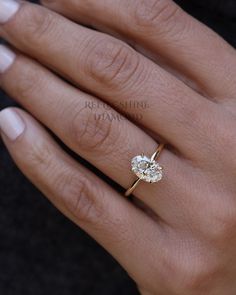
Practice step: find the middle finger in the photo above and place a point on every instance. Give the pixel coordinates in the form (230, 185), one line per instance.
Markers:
(113, 71)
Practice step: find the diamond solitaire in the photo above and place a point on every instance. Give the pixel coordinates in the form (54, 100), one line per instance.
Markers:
(146, 169)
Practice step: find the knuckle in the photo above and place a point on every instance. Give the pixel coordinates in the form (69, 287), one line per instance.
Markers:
(27, 82)
(40, 157)
(35, 22)
(192, 275)
(196, 279)
(223, 225)
(192, 115)
(93, 133)
(80, 197)
(151, 12)
(111, 62)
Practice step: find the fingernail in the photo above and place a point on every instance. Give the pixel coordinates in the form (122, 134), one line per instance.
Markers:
(7, 58)
(11, 124)
(7, 9)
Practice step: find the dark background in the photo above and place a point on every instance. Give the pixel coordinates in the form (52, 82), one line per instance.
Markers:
(41, 252)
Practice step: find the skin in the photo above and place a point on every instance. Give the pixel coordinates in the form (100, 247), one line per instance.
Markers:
(182, 240)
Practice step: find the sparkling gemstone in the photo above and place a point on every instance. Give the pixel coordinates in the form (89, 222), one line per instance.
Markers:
(146, 169)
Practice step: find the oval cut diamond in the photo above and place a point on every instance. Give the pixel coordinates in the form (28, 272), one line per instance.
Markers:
(146, 169)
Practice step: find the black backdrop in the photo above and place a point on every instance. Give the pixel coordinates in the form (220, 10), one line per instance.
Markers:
(41, 252)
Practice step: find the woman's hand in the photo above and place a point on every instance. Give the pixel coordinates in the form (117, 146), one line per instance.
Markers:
(178, 85)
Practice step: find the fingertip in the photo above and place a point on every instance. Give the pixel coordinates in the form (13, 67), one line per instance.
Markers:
(7, 58)
(8, 9)
(12, 124)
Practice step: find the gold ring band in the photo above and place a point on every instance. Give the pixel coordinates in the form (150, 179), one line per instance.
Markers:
(146, 169)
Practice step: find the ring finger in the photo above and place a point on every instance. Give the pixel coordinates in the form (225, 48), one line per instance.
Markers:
(107, 144)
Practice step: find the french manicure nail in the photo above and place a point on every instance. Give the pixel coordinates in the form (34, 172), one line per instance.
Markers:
(7, 9)
(7, 57)
(11, 124)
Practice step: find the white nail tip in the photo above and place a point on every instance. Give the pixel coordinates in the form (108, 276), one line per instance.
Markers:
(11, 124)
(7, 9)
(7, 58)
